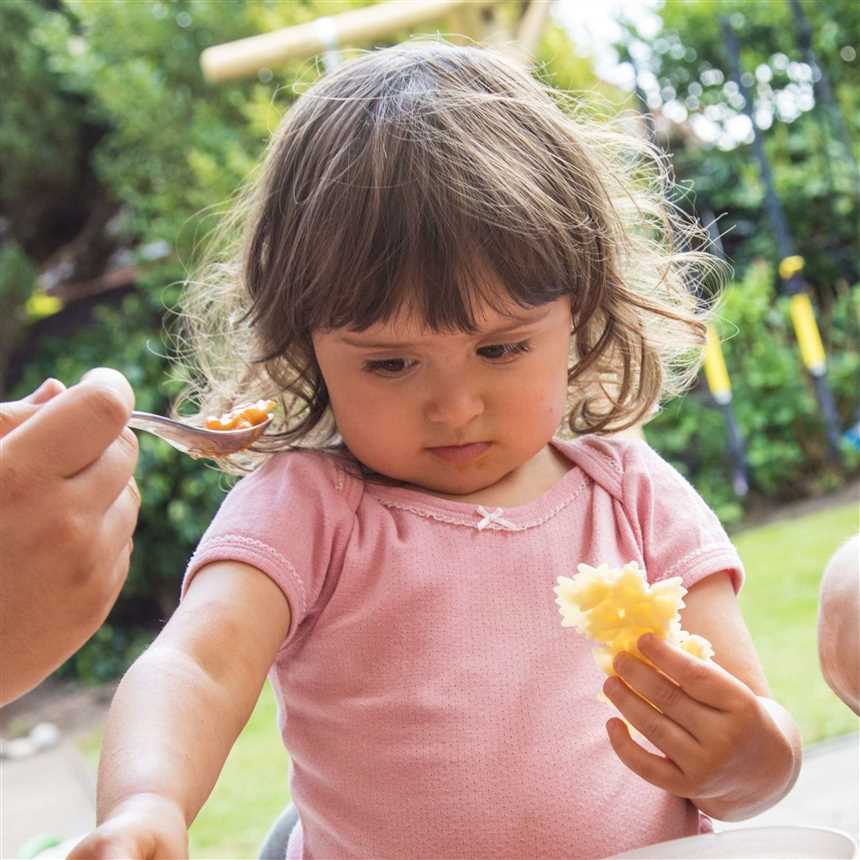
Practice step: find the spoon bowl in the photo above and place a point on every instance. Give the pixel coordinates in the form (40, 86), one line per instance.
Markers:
(197, 442)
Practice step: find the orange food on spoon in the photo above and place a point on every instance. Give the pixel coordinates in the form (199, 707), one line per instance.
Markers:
(242, 417)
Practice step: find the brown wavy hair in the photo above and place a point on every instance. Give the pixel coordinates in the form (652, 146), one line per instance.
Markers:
(418, 178)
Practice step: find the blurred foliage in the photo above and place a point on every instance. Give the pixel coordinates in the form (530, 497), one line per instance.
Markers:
(109, 95)
(686, 74)
(117, 152)
(812, 147)
(773, 402)
(17, 281)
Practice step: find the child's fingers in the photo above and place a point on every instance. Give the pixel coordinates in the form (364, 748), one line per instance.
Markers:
(703, 680)
(104, 846)
(665, 695)
(652, 768)
(670, 738)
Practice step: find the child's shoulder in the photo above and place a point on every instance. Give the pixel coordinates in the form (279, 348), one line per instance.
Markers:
(614, 461)
(307, 471)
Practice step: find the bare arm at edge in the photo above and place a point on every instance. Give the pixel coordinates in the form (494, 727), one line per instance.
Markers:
(180, 708)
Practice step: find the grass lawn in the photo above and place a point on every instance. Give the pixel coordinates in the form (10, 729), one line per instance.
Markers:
(784, 562)
(251, 791)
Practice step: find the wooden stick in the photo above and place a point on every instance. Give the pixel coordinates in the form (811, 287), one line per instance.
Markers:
(521, 46)
(531, 26)
(247, 56)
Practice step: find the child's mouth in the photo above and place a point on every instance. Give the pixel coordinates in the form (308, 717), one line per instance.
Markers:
(460, 453)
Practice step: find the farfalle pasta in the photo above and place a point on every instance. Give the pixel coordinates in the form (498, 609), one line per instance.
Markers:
(615, 606)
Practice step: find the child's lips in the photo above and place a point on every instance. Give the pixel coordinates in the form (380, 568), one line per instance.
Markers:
(460, 453)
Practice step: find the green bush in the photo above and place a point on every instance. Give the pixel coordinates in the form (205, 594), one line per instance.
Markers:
(773, 401)
(114, 144)
(814, 176)
(126, 122)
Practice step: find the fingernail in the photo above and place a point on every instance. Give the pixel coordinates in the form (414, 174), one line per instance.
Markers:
(621, 662)
(96, 371)
(109, 378)
(646, 640)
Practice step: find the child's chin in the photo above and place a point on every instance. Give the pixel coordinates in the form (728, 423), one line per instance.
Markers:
(463, 481)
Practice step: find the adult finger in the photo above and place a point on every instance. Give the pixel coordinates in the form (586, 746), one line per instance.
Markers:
(16, 412)
(119, 572)
(120, 520)
(99, 484)
(75, 427)
(114, 534)
(48, 389)
(704, 680)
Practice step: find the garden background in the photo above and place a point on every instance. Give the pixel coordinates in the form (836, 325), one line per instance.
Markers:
(118, 158)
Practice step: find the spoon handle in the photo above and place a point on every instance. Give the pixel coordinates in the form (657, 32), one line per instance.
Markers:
(150, 422)
(166, 429)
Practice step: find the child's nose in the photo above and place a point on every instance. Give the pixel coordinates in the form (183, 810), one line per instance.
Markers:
(454, 404)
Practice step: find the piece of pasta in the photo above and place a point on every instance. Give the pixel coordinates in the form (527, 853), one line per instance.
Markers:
(615, 606)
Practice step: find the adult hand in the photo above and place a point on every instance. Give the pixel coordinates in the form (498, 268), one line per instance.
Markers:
(722, 747)
(143, 827)
(68, 508)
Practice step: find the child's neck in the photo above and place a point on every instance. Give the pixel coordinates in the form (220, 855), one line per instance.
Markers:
(523, 485)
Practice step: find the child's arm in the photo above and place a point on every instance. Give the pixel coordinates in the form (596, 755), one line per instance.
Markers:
(729, 748)
(179, 710)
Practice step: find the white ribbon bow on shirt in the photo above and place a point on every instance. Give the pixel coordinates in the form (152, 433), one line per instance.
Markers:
(493, 517)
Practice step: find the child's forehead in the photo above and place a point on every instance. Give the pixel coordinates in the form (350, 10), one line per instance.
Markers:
(411, 326)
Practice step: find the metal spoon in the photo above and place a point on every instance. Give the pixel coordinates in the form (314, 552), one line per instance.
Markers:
(197, 441)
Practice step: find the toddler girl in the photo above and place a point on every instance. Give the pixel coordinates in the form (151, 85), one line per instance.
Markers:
(441, 269)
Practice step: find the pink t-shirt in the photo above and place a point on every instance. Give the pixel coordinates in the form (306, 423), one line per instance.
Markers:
(432, 703)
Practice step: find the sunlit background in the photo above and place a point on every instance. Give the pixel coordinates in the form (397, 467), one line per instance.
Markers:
(119, 157)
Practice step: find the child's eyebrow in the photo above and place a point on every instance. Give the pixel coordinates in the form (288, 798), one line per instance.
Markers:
(515, 324)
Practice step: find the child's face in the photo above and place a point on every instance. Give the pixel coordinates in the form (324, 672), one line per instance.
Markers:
(400, 392)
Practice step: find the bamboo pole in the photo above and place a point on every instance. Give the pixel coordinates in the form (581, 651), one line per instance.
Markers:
(529, 30)
(247, 56)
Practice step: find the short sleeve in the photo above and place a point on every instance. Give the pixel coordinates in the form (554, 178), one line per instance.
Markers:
(291, 520)
(679, 534)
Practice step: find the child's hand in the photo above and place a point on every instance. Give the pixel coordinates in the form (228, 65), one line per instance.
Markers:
(723, 749)
(143, 827)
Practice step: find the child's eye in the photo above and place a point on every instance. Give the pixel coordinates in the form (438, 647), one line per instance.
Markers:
(388, 366)
(501, 351)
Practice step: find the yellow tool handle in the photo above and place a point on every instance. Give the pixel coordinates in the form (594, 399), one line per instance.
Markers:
(806, 329)
(790, 266)
(715, 368)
